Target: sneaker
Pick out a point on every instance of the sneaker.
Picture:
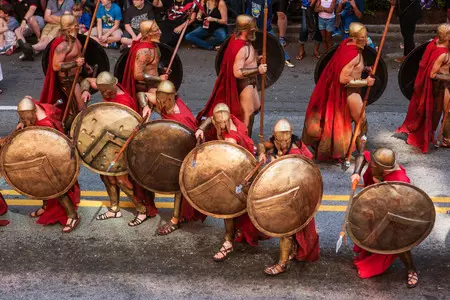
(112, 46)
(337, 32)
(282, 41)
(288, 64)
(11, 50)
(5, 49)
(400, 59)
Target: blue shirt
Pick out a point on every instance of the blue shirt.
(255, 8)
(108, 17)
(85, 19)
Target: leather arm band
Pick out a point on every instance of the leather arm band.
(151, 78)
(360, 162)
(261, 149)
(205, 124)
(443, 77)
(85, 85)
(65, 66)
(357, 83)
(249, 72)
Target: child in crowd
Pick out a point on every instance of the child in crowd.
(107, 32)
(83, 16)
(327, 21)
(7, 26)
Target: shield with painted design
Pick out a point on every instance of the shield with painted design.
(37, 162)
(154, 156)
(210, 174)
(285, 196)
(390, 217)
(100, 132)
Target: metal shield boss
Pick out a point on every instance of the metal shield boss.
(369, 57)
(37, 163)
(275, 57)
(154, 156)
(176, 76)
(390, 217)
(210, 184)
(103, 130)
(285, 196)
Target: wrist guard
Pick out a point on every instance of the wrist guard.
(359, 164)
(261, 149)
(142, 99)
(443, 77)
(65, 66)
(357, 83)
(249, 72)
(151, 78)
(205, 124)
(85, 85)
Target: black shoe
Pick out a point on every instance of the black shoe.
(27, 50)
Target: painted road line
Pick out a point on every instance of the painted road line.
(127, 204)
(8, 107)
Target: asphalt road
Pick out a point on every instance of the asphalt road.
(108, 259)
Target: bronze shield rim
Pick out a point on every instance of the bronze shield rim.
(130, 171)
(19, 132)
(257, 178)
(404, 249)
(187, 163)
(77, 122)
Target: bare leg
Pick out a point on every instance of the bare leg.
(282, 24)
(323, 33)
(114, 198)
(249, 102)
(227, 246)
(42, 44)
(19, 34)
(285, 251)
(413, 277)
(354, 102)
(72, 217)
(173, 224)
(126, 41)
(32, 23)
(80, 102)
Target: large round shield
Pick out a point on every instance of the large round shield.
(176, 76)
(95, 55)
(285, 196)
(275, 57)
(210, 184)
(369, 55)
(37, 162)
(100, 132)
(390, 217)
(408, 70)
(154, 156)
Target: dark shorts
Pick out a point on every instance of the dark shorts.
(127, 35)
(280, 6)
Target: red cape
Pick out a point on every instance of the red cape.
(225, 89)
(302, 150)
(328, 123)
(50, 92)
(54, 212)
(372, 264)
(3, 210)
(240, 135)
(124, 99)
(418, 123)
(128, 81)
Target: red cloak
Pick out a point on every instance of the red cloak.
(328, 124)
(372, 264)
(185, 117)
(54, 212)
(240, 135)
(128, 81)
(140, 194)
(50, 92)
(3, 210)
(419, 119)
(225, 89)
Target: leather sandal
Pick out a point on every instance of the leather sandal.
(276, 269)
(104, 216)
(412, 276)
(72, 225)
(167, 228)
(224, 252)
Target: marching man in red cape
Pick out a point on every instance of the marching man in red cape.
(64, 58)
(381, 166)
(304, 245)
(227, 127)
(171, 107)
(236, 85)
(63, 209)
(111, 91)
(336, 101)
(141, 70)
(431, 94)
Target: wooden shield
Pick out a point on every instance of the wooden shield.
(37, 163)
(390, 217)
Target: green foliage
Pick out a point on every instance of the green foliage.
(374, 5)
(441, 3)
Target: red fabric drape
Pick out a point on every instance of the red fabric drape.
(50, 92)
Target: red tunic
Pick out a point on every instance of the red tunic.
(140, 194)
(54, 211)
(3, 210)
(418, 123)
(225, 89)
(50, 92)
(372, 264)
(185, 117)
(128, 81)
(328, 124)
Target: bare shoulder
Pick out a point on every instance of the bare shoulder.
(145, 55)
(62, 47)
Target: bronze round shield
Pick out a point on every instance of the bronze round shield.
(100, 132)
(154, 156)
(176, 76)
(37, 162)
(369, 55)
(390, 217)
(285, 196)
(408, 70)
(275, 57)
(210, 175)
